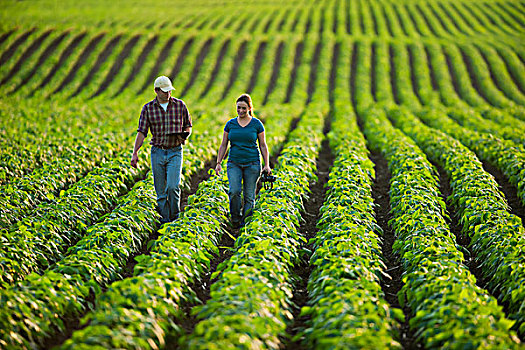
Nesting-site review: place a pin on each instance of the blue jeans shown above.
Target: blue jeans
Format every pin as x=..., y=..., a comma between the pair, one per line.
x=166, y=165
x=242, y=178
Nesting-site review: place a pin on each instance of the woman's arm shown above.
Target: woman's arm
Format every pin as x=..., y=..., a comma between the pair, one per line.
x=222, y=151
x=264, y=151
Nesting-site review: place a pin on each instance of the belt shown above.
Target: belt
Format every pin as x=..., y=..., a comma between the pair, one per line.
x=166, y=147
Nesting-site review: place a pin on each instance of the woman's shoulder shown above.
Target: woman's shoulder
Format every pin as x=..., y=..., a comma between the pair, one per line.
x=232, y=121
x=258, y=123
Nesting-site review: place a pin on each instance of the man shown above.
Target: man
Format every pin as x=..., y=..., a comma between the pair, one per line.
x=170, y=124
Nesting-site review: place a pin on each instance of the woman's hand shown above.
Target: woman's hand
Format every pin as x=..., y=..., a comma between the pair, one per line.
x=267, y=169
x=218, y=169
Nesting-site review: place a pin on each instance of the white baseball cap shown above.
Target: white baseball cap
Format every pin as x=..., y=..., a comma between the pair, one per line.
x=164, y=83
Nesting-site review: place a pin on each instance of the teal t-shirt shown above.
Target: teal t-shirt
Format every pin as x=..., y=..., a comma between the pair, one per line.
x=243, y=140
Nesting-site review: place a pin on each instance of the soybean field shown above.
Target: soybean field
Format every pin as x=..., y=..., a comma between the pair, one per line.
x=396, y=131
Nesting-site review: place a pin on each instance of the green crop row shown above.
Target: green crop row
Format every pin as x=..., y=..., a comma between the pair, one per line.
x=46, y=182
x=474, y=120
x=507, y=123
x=469, y=317
x=504, y=154
x=496, y=69
x=109, y=243
x=137, y=312
x=346, y=306
x=497, y=237
x=94, y=262
x=212, y=195
x=41, y=238
x=256, y=308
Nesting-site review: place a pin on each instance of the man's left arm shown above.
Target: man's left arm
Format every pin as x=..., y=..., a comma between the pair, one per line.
x=186, y=120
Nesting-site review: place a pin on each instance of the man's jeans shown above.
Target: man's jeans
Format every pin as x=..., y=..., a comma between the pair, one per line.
x=248, y=174
x=167, y=168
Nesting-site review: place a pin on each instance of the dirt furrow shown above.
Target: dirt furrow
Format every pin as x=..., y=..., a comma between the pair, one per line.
x=275, y=71
x=101, y=59
x=257, y=66
x=218, y=64
x=163, y=56
x=117, y=65
x=45, y=55
x=296, y=63
x=138, y=65
x=81, y=60
x=63, y=57
x=233, y=75
x=198, y=63
x=313, y=70
x=308, y=229
x=35, y=45
x=10, y=51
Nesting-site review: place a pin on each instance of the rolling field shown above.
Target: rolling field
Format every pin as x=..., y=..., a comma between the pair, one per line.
x=396, y=130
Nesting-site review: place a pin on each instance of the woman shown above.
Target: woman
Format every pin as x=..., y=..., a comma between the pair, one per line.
x=244, y=164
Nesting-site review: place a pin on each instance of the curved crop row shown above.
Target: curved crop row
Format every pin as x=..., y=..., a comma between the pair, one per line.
x=497, y=237
x=137, y=312
x=429, y=254
x=504, y=154
x=40, y=239
x=474, y=120
x=346, y=305
x=256, y=308
x=45, y=183
x=95, y=261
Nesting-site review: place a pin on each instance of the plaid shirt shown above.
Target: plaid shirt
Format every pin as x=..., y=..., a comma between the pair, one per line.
x=165, y=125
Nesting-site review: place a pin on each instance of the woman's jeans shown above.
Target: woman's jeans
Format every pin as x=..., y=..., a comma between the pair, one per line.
x=242, y=178
x=166, y=165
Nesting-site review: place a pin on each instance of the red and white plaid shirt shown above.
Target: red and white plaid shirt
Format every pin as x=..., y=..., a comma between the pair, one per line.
x=165, y=125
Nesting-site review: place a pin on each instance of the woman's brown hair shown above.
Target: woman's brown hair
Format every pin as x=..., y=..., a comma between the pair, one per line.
x=248, y=100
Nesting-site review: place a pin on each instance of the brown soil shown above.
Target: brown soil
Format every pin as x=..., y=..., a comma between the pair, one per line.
x=388, y=22
x=415, y=86
x=309, y=229
x=7, y=54
x=313, y=70
x=138, y=65
x=509, y=190
x=118, y=64
x=512, y=73
x=218, y=64
x=196, y=68
x=275, y=71
x=391, y=288
x=63, y=57
x=163, y=56
x=257, y=66
x=102, y=57
x=45, y=55
x=72, y=323
x=80, y=62
x=393, y=80
x=433, y=80
x=296, y=63
x=6, y=35
x=233, y=76
x=35, y=45
x=181, y=57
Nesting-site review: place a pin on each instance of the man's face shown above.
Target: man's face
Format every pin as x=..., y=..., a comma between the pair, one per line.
x=162, y=96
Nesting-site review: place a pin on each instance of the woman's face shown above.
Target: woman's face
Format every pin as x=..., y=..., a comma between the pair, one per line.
x=242, y=109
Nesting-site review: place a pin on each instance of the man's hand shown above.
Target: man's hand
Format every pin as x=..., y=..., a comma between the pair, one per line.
x=134, y=160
